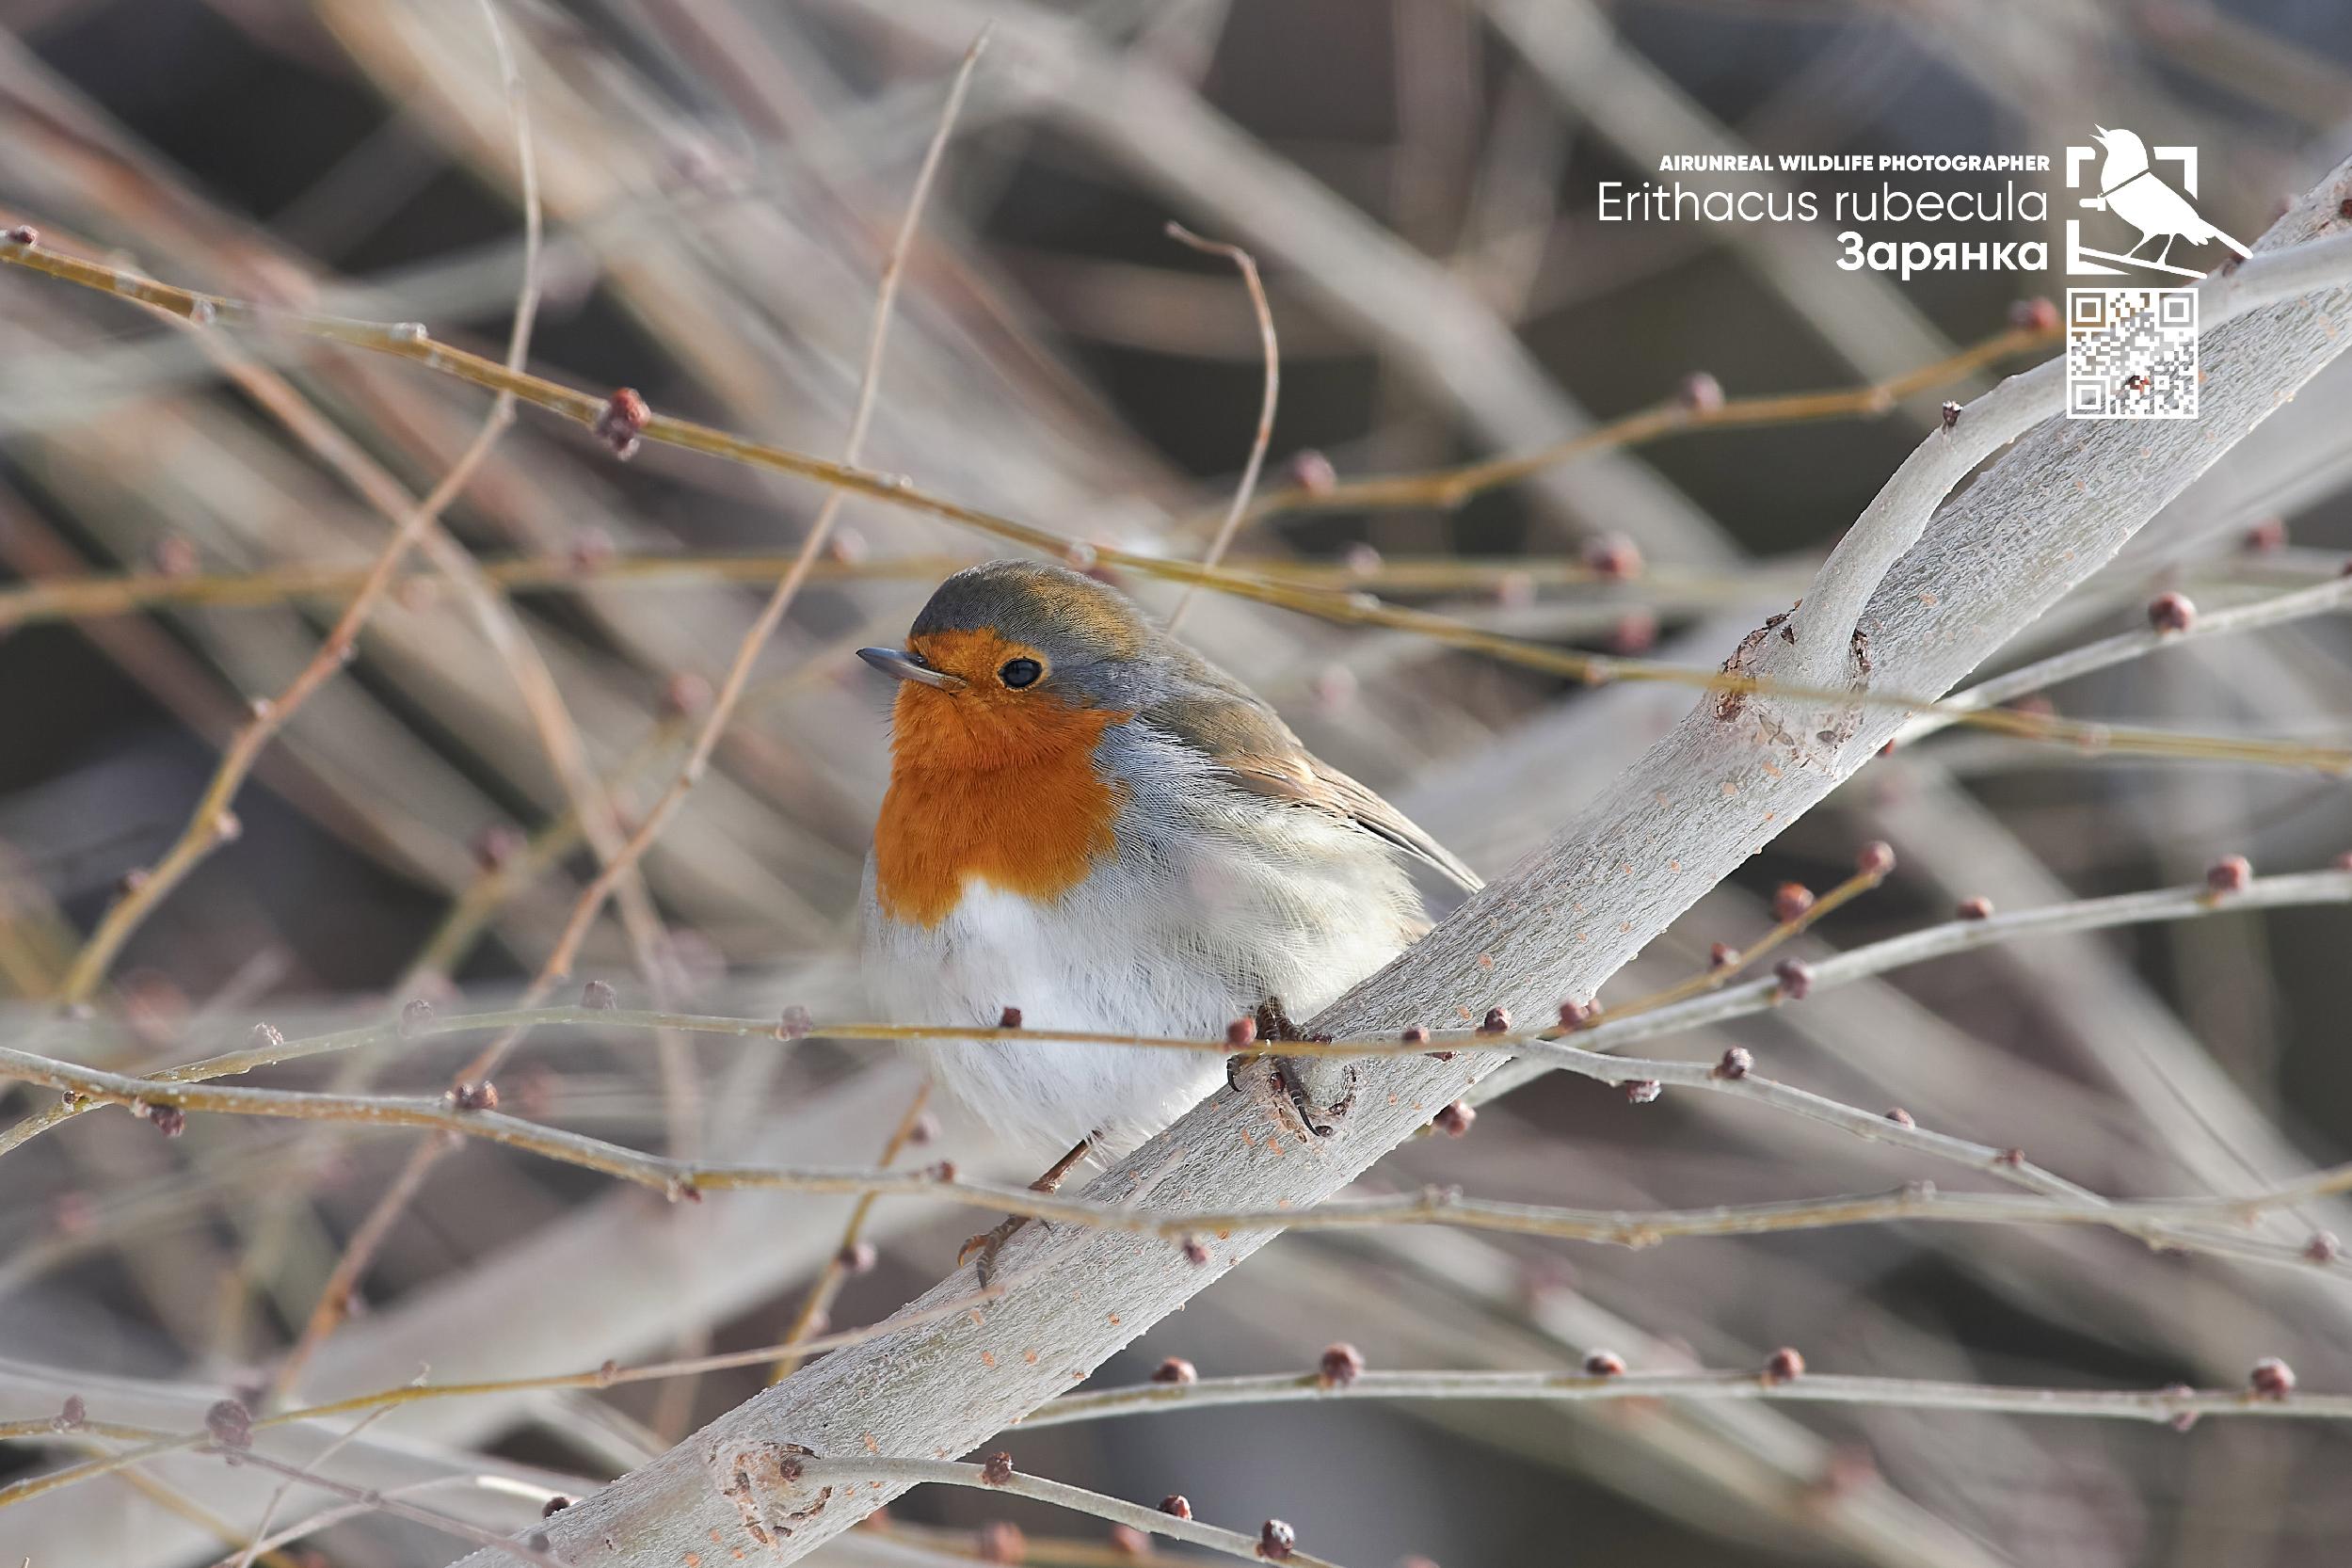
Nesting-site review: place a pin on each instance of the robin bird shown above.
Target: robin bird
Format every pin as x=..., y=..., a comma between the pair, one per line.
x=1091, y=824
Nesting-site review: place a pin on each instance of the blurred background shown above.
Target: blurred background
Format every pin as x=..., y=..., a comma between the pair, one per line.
x=720, y=181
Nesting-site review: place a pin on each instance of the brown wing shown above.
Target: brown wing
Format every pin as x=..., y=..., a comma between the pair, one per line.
x=1256, y=751
x=1321, y=785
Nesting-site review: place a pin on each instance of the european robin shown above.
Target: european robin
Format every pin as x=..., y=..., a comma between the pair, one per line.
x=1091, y=824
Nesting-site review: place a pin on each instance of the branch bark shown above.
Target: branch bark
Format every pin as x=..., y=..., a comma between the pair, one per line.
x=1733, y=774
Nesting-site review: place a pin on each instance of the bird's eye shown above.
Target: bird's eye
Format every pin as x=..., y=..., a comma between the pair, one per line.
x=1018, y=673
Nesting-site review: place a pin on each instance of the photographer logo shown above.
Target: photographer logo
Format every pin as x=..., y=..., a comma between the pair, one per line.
x=2131, y=352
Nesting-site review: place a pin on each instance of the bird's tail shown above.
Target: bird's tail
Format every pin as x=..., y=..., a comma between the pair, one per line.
x=2228, y=241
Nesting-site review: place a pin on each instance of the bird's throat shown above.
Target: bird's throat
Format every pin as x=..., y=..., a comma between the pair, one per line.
x=1029, y=815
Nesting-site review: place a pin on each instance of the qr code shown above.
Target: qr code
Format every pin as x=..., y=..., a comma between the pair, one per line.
x=2130, y=353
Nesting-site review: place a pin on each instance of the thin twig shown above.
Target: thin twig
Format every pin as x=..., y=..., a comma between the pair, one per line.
x=2064, y=1203
x=179, y=1504
x=1617, y=1028
x=1539, y=1052
x=1446, y=488
x=2154, y=1405
x=337, y=1293
x=213, y=823
x=399, y=1507
x=1645, y=1019
x=41, y=1429
x=609, y=1375
x=817, y=1474
x=1443, y=487
x=553, y=721
x=2264, y=278
x=97, y=595
x=1717, y=977
x=254, y=1546
x=2319, y=598
x=622, y=864
x=588, y=798
x=155, y=1444
x=1642, y=1229
x=1267, y=403
x=819, y=1301
x=327, y=1518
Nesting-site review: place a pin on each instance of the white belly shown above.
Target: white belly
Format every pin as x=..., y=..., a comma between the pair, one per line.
x=996, y=950
x=1166, y=952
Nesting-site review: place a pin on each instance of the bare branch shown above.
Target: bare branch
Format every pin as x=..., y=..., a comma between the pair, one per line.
x=2176, y=1405
x=1895, y=521
x=392, y=1503
x=2066, y=1204
x=155, y=1444
x=811, y=1481
x=1683, y=1007
x=1614, y=1030
x=772, y=615
x=557, y=731
x=2319, y=598
x=1272, y=397
x=847, y=1256
x=2283, y=279
x=619, y=867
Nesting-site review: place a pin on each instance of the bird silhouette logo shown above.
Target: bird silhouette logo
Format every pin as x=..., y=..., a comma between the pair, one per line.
x=2129, y=186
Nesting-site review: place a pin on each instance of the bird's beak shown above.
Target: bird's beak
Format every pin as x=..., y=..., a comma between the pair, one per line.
x=899, y=664
x=2099, y=135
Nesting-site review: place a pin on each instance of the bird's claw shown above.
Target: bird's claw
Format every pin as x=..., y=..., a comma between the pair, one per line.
x=1285, y=1087
x=1322, y=1120
x=987, y=1246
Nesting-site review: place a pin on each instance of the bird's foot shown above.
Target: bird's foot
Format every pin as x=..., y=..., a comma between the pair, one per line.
x=1275, y=1023
x=1290, y=1081
x=1320, y=1090
x=990, y=1242
x=987, y=1246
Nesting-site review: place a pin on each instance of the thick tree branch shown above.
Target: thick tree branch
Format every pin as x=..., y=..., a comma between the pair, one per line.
x=1836, y=605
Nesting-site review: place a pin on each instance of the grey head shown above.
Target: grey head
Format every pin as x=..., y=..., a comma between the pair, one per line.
x=1031, y=624
x=1011, y=641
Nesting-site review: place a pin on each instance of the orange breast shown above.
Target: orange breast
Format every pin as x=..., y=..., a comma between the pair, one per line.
x=998, y=791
